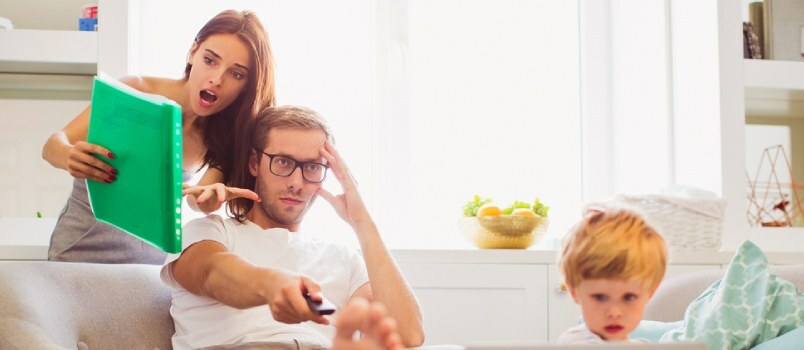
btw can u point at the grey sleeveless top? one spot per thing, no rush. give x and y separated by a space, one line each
78 237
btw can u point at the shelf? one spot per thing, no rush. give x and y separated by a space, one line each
45 86
26 51
774 89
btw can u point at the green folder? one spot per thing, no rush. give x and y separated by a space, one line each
144 133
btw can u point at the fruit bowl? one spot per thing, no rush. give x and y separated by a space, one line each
503 231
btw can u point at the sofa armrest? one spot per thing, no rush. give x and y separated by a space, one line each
53 305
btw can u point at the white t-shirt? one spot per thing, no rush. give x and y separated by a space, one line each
581 334
202 322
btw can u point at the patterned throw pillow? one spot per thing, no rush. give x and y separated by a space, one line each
747 307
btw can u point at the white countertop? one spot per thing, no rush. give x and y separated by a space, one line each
25 238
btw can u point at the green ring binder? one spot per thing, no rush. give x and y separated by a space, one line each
144 131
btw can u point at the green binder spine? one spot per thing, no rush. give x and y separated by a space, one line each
173 119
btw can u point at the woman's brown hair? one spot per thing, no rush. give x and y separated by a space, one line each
219 130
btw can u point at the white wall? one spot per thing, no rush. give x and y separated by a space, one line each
28 183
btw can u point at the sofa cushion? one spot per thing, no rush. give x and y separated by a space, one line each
56 305
675 294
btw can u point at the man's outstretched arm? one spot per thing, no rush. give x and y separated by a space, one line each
387 285
207 269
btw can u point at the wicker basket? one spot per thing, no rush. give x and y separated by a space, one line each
684 229
503 232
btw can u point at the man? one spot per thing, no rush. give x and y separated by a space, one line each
242 280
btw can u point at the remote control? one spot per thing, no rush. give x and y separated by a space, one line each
323 307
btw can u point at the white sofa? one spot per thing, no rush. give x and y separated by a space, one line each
58 305
54 305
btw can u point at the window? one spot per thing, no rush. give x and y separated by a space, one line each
431 102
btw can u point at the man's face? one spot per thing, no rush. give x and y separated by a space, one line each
285 199
611 309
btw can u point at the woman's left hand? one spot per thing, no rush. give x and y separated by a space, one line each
209 198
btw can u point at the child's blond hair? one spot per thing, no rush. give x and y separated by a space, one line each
613 243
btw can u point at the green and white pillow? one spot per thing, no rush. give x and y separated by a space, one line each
747 307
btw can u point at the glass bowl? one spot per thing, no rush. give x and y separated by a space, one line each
504 231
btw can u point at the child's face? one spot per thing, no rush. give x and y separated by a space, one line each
611 308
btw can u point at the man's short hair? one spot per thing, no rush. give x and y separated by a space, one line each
289 117
256 137
613 243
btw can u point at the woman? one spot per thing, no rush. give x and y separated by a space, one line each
229 76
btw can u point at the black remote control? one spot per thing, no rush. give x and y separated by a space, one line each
323 307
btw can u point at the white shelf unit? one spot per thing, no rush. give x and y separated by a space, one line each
30 51
774 92
47 64
774 88
714 93
55 69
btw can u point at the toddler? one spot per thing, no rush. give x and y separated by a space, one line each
612 262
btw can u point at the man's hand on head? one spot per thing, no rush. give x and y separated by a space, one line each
349 205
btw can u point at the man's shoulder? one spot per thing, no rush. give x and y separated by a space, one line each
214 220
212 224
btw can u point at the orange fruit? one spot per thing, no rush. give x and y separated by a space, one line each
489 209
524 212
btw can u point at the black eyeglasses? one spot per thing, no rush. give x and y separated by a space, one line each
284 166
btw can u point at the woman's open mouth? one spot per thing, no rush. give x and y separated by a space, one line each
207 98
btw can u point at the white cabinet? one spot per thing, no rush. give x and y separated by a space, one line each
563 312
508 297
473 304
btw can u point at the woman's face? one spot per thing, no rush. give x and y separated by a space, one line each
219 74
